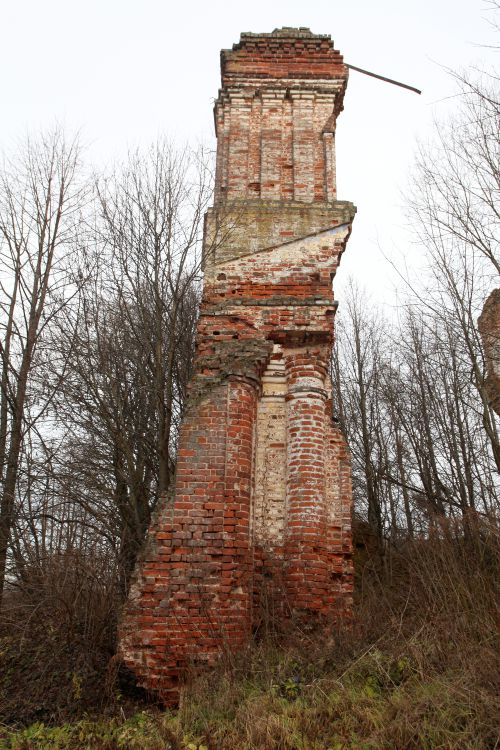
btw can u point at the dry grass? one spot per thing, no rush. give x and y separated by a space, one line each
418 669
57 636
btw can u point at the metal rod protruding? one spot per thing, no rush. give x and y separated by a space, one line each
383 78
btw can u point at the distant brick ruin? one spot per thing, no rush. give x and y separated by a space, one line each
489 328
260 522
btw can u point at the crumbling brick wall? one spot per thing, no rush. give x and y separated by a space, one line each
261 514
489 328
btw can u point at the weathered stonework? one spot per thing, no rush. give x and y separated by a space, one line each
261 517
489 328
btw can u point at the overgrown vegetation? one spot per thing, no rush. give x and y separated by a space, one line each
57 640
418 668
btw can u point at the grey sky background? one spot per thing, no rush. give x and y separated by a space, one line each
125 72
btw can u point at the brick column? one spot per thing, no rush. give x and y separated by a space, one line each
329 156
236 590
306 498
271 146
237 155
304 142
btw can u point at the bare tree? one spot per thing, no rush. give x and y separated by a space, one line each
413 419
356 368
450 466
124 395
454 208
41 196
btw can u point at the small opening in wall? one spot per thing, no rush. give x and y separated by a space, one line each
221 277
216 333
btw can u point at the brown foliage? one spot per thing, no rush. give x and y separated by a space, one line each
57 636
417 668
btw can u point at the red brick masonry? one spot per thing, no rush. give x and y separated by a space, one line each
261 517
489 328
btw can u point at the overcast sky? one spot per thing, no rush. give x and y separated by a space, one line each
124 72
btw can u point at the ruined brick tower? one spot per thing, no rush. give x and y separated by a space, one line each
261 516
